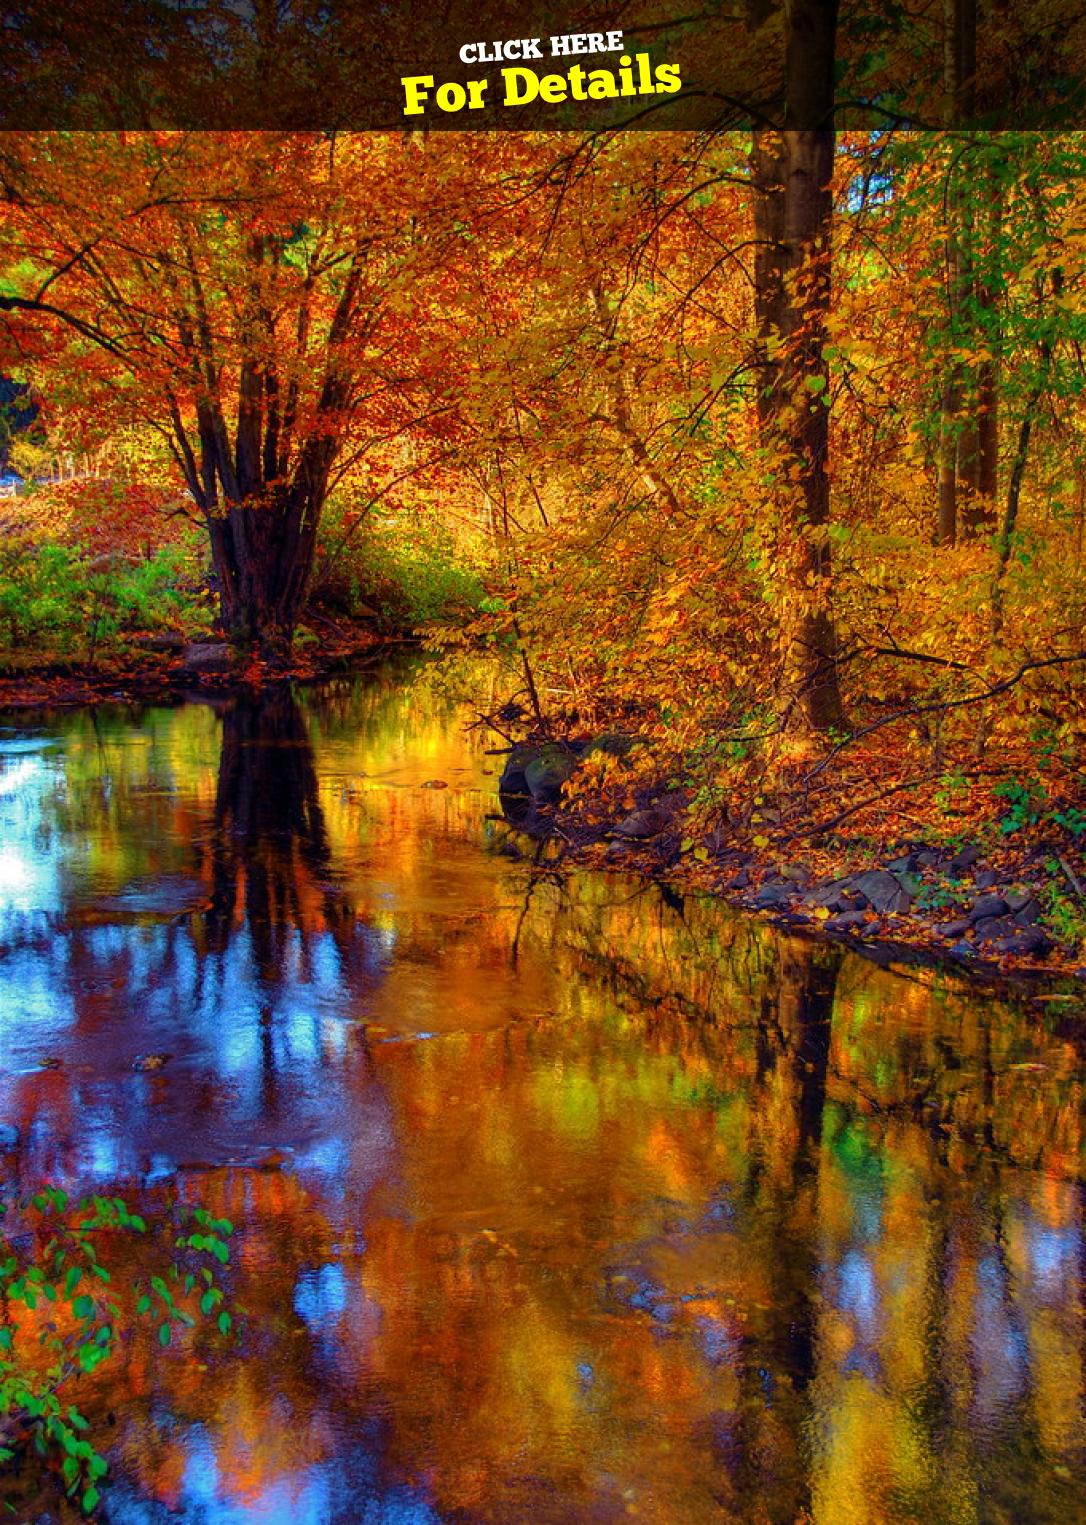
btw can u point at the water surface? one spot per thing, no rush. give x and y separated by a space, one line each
560 1198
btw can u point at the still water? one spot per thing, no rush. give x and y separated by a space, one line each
559 1198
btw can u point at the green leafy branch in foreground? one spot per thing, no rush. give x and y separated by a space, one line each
63 1311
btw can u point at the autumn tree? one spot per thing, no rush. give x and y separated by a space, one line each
247 296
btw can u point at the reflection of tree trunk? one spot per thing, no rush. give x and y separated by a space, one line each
271 856
813 994
783 1210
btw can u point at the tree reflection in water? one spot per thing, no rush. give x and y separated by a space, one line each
561 1198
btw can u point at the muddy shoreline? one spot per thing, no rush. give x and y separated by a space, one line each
987 907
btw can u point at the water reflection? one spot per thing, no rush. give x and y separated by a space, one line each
562 1199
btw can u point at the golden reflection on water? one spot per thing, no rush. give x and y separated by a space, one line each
561 1199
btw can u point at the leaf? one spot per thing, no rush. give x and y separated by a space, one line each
164 1334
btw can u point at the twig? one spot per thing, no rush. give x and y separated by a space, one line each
937 706
1071 876
873 799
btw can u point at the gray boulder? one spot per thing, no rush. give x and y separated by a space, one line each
642 824
207 657
987 906
883 892
546 774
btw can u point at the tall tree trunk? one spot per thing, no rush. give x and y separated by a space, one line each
263 551
948 460
981 466
793 211
969 438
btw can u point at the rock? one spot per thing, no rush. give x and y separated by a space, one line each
846 921
882 891
834 895
903 865
964 858
739 881
548 772
988 905
513 783
435 783
207 657
796 873
772 895
1017 899
161 640
964 950
991 928
986 879
9 1136
641 824
952 929
1026 942
1028 914
929 858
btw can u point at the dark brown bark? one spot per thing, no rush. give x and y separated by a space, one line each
793 209
263 551
969 432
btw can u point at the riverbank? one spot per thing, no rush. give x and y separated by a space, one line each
164 668
987 873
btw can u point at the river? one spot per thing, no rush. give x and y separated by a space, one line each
559 1197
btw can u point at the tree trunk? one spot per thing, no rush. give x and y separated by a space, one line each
793 211
948 463
263 552
969 437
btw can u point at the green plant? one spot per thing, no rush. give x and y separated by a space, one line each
953 786
1025 803
53 594
1071 819
1064 913
69 1295
404 570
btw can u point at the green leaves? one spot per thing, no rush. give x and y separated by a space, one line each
49 1249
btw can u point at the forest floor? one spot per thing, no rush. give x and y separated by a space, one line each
983 868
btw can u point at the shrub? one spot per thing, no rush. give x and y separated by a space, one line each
56 596
402 570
